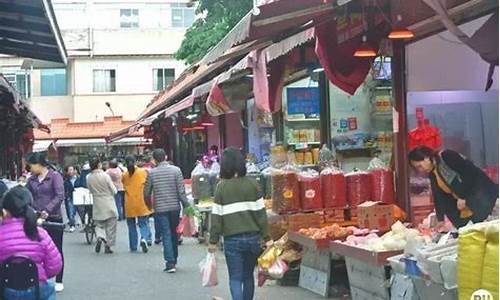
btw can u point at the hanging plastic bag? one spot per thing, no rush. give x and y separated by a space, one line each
278 269
267 259
208 270
187 226
182 224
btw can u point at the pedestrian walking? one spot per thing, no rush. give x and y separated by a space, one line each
19 235
84 210
166 183
104 210
71 178
240 216
116 176
136 210
47 188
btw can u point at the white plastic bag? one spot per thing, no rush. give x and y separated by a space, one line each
208 270
278 269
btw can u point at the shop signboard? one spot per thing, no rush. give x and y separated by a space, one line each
303 101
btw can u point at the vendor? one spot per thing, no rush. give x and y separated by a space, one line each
461 190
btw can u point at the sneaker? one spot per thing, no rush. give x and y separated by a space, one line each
144 246
150 244
170 268
98 245
59 287
72 229
108 250
157 242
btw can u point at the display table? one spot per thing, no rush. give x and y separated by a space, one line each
423 285
368 271
321 271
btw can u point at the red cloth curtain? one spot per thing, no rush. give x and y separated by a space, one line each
267 90
341 67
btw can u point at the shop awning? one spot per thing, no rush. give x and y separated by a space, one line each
273 18
165 113
41 145
131 141
79 142
28 28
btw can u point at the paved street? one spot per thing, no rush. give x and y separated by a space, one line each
134 276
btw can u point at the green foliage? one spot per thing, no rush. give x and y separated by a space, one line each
219 17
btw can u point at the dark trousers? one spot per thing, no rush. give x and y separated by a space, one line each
168 222
57 237
157 228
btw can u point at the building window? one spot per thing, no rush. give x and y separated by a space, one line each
104 81
53 82
20 81
162 78
129 18
182 15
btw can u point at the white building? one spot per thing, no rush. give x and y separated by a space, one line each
120 52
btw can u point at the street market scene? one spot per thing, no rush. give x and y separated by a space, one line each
249 149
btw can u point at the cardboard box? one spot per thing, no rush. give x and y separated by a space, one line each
305 220
375 215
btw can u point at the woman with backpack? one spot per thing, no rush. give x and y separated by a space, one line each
19 235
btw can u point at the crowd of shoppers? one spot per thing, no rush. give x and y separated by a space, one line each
136 192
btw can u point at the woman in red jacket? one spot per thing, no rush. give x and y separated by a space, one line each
19 235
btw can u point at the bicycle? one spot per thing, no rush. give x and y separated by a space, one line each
89 225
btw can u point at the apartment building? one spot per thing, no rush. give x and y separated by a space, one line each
120 54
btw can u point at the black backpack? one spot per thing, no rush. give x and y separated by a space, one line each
19 273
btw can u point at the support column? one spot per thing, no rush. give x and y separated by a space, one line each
401 134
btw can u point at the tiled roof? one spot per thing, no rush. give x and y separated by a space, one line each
64 129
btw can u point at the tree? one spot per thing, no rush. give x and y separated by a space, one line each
219 17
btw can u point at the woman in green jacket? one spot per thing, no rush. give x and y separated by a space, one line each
240 216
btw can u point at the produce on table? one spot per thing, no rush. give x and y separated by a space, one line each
329 232
394 240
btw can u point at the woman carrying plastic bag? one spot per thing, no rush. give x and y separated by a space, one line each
238 214
208 270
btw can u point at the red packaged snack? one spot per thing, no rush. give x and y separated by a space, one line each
286 192
310 191
333 188
382 185
359 188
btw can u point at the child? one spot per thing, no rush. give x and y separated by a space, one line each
19 235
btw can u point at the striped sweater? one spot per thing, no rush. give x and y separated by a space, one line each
239 208
166 184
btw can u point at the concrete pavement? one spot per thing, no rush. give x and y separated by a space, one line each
132 276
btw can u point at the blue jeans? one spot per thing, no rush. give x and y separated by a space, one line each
157 230
70 211
167 222
119 200
47 292
241 252
132 230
